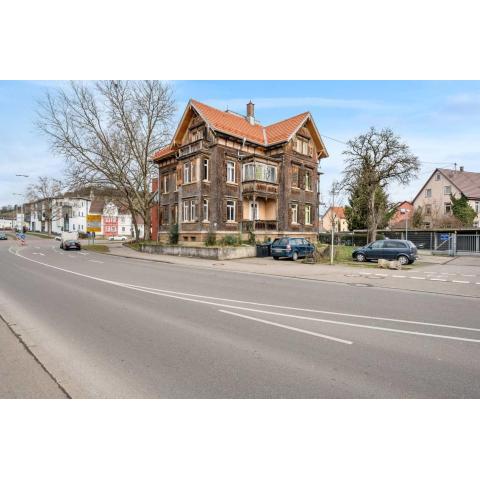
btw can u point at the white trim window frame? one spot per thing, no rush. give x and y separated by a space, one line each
205 210
428 193
308 180
294 209
187 178
308 214
230 171
205 170
186 211
193 213
231 210
447 190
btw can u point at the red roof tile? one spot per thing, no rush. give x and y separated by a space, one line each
163 152
238 126
281 131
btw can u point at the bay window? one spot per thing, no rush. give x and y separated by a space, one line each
260 172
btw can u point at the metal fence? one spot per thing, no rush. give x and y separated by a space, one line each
442 242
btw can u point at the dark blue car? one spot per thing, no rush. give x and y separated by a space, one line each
291 247
404 251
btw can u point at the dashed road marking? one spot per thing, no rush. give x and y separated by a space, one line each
460 281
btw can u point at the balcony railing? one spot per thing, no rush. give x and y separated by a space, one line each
190 148
260 225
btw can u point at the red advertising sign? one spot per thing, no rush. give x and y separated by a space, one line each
110 226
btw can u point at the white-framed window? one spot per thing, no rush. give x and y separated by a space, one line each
477 207
193 213
448 207
428 193
308 180
447 190
205 169
295 172
196 134
123 229
308 214
260 171
205 209
294 208
165 183
186 211
231 171
230 210
302 145
186 173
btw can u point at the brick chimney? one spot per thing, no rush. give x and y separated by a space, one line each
251 113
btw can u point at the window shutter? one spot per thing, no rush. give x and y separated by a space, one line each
179 175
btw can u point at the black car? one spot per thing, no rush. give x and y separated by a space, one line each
3 236
291 247
71 245
404 251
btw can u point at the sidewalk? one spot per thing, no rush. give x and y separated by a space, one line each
20 373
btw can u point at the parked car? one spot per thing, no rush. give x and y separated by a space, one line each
404 251
117 238
291 247
71 245
3 236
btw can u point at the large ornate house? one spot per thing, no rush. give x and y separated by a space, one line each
225 172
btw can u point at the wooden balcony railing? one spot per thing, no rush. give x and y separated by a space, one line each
260 225
190 148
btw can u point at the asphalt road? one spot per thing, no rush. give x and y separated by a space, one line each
105 326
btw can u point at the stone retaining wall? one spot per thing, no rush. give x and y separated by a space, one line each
213 253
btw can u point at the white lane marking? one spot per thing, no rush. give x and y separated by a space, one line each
438 279
288 327
399 276
174 294
72 256
467 275
95 261
82 253
418 278
460 281
38 253
371 327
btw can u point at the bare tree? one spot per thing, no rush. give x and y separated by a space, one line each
108 131
377 158
45 190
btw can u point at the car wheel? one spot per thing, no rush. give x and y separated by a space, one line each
360 257
295 256
276 258
403 260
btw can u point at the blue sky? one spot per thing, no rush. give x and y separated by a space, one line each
440 120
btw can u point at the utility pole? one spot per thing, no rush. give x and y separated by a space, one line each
335 189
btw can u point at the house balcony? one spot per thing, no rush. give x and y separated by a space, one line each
260 225
258 187
191 148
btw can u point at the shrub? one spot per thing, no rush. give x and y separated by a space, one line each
231 240
173 235
211 239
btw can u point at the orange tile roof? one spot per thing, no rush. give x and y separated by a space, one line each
238 126
338 211
230 123
281 131
163 152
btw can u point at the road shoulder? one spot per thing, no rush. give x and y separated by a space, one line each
21 374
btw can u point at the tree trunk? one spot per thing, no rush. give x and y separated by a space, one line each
147 219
